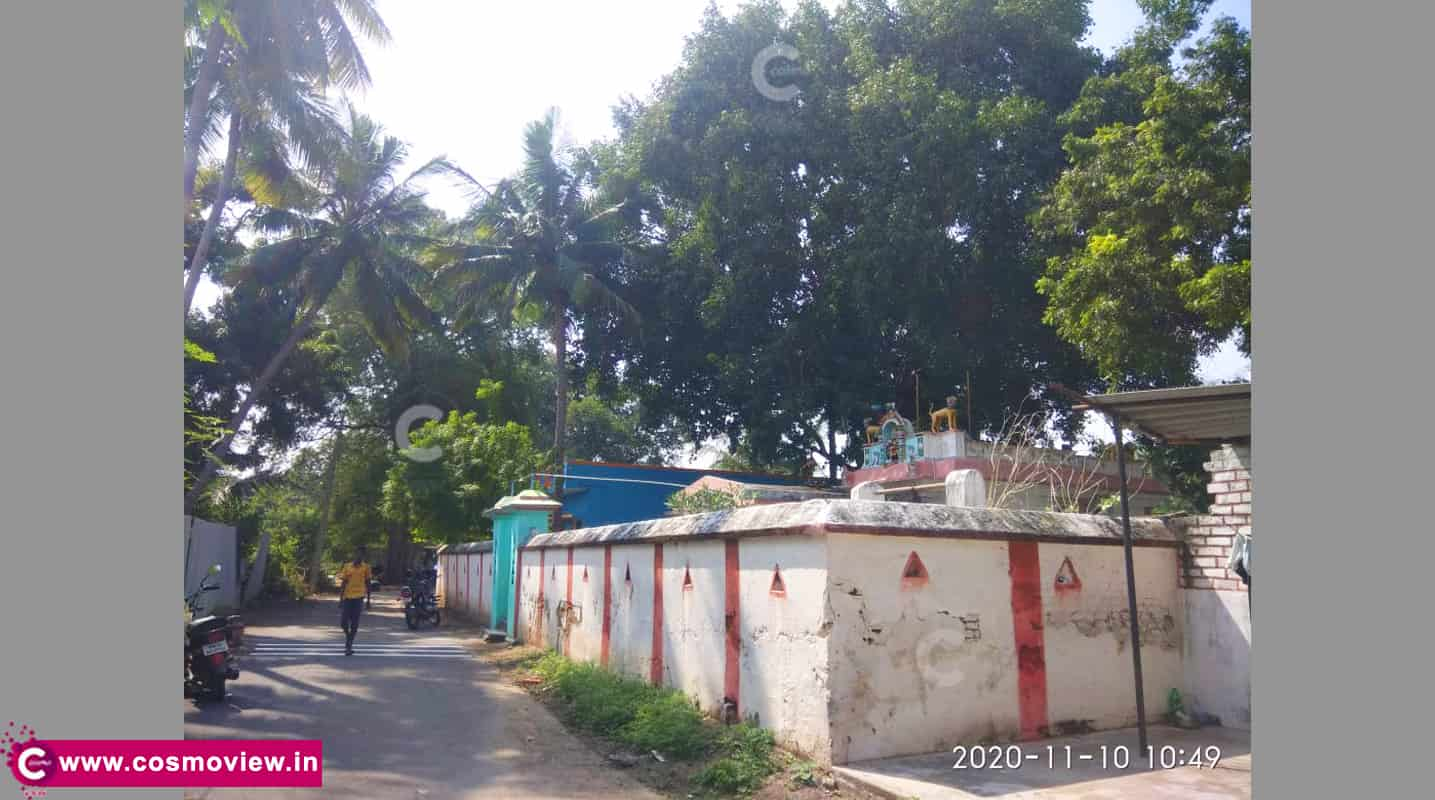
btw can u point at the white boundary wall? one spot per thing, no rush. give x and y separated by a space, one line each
465 578
852 660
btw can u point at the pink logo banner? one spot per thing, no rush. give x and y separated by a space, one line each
165 763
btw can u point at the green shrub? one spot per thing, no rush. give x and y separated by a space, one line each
804 773
748 763
599 700
668 723
549 666
649 718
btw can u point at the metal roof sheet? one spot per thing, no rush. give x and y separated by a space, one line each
1186 415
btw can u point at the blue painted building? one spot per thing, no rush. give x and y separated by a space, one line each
598 493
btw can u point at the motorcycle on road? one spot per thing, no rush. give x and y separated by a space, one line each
208 645
420 605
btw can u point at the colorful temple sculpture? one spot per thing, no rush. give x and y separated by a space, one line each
901 462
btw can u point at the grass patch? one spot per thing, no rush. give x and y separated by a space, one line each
668 723
626 709
747 764
637 715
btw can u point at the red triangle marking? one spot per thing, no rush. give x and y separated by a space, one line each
914 573
585 574
778 586
627 573
1066 578
687 578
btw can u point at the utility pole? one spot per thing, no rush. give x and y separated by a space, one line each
1130 581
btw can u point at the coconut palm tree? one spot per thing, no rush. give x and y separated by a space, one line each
354 233
541 248
308 42
273 117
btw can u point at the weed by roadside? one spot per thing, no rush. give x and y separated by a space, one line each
661 735
747 764
625 709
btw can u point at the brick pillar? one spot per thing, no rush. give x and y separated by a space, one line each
1208 537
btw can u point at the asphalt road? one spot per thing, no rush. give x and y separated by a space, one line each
412 714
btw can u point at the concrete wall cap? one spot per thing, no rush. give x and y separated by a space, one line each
526 500
466 547
867 516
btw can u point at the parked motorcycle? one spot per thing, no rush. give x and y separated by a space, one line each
208 653
420 605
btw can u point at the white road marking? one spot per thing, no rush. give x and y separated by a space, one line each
331 649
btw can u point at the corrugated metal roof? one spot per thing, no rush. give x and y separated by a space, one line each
1186 415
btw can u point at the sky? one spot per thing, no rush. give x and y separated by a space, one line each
462 78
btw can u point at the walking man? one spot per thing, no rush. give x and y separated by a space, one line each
354 586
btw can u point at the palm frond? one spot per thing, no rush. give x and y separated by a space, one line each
589 292
278 221
322 274
474 190
274 264
593 253
377 310
543 176
479 275
347 67
362 15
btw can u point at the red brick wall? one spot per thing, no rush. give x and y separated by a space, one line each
1208 537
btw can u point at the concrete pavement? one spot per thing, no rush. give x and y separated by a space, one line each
411 715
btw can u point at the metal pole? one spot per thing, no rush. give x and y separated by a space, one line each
1130 581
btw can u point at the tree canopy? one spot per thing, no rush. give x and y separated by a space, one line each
960 198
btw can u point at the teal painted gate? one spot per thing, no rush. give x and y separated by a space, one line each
516 519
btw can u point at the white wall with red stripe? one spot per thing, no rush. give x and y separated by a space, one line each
827 640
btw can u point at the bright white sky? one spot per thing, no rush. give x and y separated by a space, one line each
462 78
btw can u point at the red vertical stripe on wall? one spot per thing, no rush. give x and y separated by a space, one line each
607 601
731 620
479 610
656 662
1030 640
568 597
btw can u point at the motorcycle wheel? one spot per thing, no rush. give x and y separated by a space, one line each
435 618
411 620
214 688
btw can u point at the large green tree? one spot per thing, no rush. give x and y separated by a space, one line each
444 498
356 229
1149 228
834 251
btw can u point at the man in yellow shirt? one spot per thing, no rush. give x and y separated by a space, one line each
353 586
